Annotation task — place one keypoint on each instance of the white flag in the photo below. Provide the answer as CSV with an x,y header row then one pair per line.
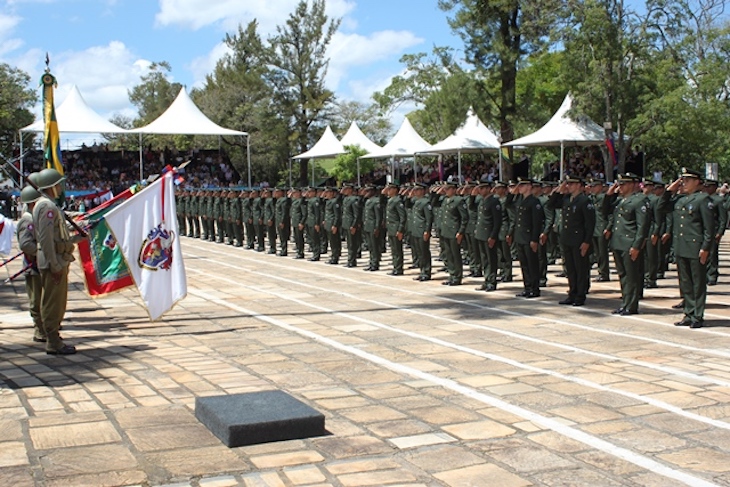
x,y
145,228
7,231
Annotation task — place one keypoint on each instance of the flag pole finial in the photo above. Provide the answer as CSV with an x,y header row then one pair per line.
x,y
48,63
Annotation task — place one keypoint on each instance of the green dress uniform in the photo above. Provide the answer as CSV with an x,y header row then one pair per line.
x,y
486,234
528,226
504,251
720,214
298,212
257,209
549,215
352,226
181,209
314,220
395,224
248,221
577,229
653,242
219,234
270,222
25,233
693,231
333,227
234,208
372,219
454,218
472,248
283,223
600,242
421,223
194,214
210,212
629,229
55,252
203,213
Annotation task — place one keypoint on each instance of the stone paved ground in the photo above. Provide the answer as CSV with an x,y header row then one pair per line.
x,y
420,384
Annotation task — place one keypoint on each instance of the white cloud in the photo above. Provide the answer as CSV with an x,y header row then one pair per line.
x,y
196,14
8,43
349,50
204,65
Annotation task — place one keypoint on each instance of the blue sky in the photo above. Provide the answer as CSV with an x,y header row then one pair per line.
x,y
105,46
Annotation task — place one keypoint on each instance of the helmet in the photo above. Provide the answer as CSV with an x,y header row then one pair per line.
x,y
29,195
33,178
48,178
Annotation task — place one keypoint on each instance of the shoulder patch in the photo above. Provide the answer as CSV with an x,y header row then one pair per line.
x,y
428,206
30,227
710,205
49,214
590,206
643,208
538,206
499,207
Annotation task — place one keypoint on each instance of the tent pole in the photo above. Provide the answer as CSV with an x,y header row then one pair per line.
x,y
358,171
313,171
141,167
562,158
20,178
499,163
248,158
290,176
415,171
459,156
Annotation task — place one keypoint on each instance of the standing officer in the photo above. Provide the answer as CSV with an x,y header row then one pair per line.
x,y
181,209
694,232
333,224
203,212
55,252
422,221
194,212
314,220
547,236
600,242
528,226
506,230
629,229
454,218
720,217
576,235
395,222
236,203
247,217
486,234
270,218
257,211
651,252
372,227
470,194
282,217
25,233
298,212
351,223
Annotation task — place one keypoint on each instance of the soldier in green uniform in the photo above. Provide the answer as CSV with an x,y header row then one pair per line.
x,y
454,218
542,193
212,217
506,231
55,252
629,230
181,208
405,192
194,213
351,223
600,242
257,212
395,223
324,239
203,212
528,227
333,224
298,212
314,221
247,218
372,226
269,218
659,189
282,216
694,232
421,224
653,242
219,214
472,197
576,235
235,232
720,214
486,234
25,233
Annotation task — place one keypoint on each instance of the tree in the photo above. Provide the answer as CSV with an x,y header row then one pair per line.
x,y
16,100
345,168
297,56
368,118
154,94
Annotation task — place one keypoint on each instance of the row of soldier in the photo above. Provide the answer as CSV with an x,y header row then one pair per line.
x,y
483,227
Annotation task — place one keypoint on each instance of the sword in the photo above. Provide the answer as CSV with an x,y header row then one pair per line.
x,y
20,272
11,259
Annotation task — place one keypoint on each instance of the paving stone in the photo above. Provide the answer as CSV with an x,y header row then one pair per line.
x,y
142,417
10,430
366,465
16,476
107,479
352,446
443,457
13,454
170,437
474,476
304,475
702,459
380,477
70,462
222,481
287,459
76,434
478,430
417,441
197,461
403,427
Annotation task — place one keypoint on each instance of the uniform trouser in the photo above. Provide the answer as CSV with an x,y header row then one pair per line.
x,y
34,290
250,235
324,240
713,263
271,236
693,285
505,259
490,261
631,277
182,225
193,227
299,241
353,246
238,232
454,263
204,228
374,249
222,226
424,255
542,261
600,248
314,237
212,223
577,269
475,257
54,297
260,231
283,234
553,247
530,265
396,251
416,250
651,264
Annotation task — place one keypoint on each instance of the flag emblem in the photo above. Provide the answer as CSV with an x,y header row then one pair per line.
x,y
156,250
110,242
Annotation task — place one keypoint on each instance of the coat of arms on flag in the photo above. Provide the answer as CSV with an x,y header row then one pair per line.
x,y
156,252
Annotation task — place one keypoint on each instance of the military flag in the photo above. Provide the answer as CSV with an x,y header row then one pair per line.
x,y
51,136
145,229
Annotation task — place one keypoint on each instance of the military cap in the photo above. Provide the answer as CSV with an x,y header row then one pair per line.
x,y
647,182
521,180
595,182
690,173
450,184
484,184
420,185
500,184
711,182
659,184
628,177
573,179
348,185
392,185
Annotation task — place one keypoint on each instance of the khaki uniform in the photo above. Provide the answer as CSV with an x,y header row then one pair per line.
x,y
25,233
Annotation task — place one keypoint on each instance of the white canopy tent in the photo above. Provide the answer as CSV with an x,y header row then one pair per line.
x,y
471,137
184,117
73,116
561,129
326,147
405,143
354,136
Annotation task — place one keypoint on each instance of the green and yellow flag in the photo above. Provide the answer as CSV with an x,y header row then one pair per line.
x,y
51,137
